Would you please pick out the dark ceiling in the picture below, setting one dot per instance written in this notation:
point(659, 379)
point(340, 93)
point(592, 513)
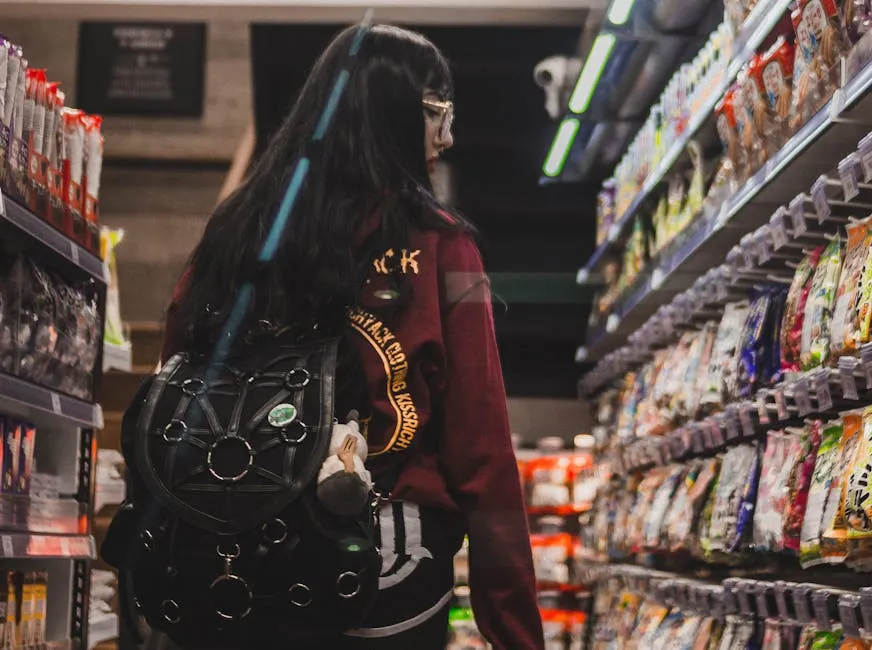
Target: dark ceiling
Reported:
point(536, 237)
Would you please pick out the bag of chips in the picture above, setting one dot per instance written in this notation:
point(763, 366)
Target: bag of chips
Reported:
point(782, 450)
point(825, 467)
point(819, 308)
point(834, 535)
point(722, 366)
point(845, 326)
point(799, 483)
point(794, 311)
point(738, 471)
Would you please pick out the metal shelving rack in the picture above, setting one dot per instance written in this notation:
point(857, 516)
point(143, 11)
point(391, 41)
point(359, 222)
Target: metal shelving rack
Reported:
point(815, 149)
point(54, 535)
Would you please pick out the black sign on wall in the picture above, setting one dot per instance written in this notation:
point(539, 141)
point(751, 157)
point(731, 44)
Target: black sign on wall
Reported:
point(148, 69)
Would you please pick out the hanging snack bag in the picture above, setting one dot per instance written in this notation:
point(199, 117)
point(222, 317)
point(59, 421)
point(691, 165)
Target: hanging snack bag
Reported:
point(654, 528)
point(825, 467)
point(834, 536)
point(794, 311)
point(799, 483)
point(745, 515)
point(722, 365)
point(771, 373)
point(819, 308)
point(750, 361)
point(74, 172)
point(93, 168)
point(845, 331)
point(639, 515)
point(708, 337)
point(685, 516)
point(17, 156)
point(780, 456)
point(828, 43)
point(858, 501)
point(739, 464)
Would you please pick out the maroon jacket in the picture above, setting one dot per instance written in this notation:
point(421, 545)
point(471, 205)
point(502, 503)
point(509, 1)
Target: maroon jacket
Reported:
point(433, 371)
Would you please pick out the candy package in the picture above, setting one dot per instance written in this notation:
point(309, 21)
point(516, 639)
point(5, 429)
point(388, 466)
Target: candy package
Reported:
point(825, 468)
point(834, 535)
point(782, 449)
point(794, 311)
point(846, 330)
point(799, 483)
point(819, 308)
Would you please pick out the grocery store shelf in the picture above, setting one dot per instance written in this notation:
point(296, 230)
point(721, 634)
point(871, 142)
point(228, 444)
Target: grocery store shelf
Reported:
point(44, 516)
point(44, 233)
point(19, 546)
point(21, 392)
point(815, 149)
point(756, 28)
point(560, 511)
point(117, 357)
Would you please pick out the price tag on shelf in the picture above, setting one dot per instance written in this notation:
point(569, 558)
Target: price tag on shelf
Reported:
point(866, 361)
point(846, 377)
point(731, 420)
point(733, 263)
point(614, 233)
point(820, 604)
point(747, 246)
point(74, 253)
point(802, 396)
point(762, 410)
point(819, 197)
point(865, 151)
point(780, 403)
point(822, 390)
point(718, 433)
point(797, 216)
point(8, 547)
point(848, 174)
point(764, 254)
point(778, 229)
point(848, 604)
point(55, 403)
point(721, 288)
point(65, 547)
point(837, 104)
point(746, 419)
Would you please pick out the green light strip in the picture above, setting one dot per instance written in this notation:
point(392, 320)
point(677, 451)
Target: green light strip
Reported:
point(561, 146)
point(619, 11)
point(590, 74)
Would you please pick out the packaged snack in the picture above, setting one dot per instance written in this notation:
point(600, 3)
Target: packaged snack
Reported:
point(848, 643)
point(799, 483)
point(770, 353)
point(750, 360)
point(662, 498)
point(705, 545)
point(856, 18)
point(689, 501)
point(834, 536)
point(25, 461)
point(93, 166)
point(826, 639)
point(730, 136)
point(827, 41)
point(551, 555)
point(554, 628)
point(74, 171)
point(748, 106)
point(738, 471)
point(774, 74)
point(819, 306)
point(745, 518)
point(550, 480)
point(858, 505)
point(722, 366)
point(11, 431)
point(782, 450)
point(794, 311)
point(605, 210)
point(845, 331)
point(639, 514)
point(808, 87)
point(708, 337)
point(651, 616)
point(825, 468)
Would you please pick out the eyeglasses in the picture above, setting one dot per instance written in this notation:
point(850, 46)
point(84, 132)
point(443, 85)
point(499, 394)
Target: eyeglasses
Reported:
point(444, 111)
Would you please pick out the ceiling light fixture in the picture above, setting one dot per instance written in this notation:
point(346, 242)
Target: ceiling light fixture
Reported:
point(561, 146)
point(619, 11)
point(590, 74)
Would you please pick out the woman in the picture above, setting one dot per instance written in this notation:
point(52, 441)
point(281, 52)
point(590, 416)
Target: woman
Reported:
point(370, 253)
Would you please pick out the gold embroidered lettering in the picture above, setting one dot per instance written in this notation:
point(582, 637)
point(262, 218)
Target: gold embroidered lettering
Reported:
point(409, 261)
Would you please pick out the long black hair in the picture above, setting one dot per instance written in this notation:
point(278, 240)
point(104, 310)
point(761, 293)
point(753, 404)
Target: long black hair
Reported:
point(371, 161)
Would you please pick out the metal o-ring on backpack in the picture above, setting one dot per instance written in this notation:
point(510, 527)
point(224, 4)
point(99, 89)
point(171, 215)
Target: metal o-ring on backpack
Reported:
point(234, 547)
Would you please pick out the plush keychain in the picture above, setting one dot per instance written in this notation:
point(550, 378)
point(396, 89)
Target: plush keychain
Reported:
point(344, 483)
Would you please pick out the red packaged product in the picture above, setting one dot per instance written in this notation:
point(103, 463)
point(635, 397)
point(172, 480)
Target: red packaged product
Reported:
point(37, 166)
point(823, 21)
point(55, 138)
point(551, 556)
point(799, 484)
point(74, 172)
point(93, 166)
point(728, 131)
point(774, 75)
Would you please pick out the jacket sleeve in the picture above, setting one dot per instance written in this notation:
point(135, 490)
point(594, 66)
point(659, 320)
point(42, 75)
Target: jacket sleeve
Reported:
point(478, 460)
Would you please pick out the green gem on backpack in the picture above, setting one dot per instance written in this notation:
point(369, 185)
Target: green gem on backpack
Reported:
point(282, 415)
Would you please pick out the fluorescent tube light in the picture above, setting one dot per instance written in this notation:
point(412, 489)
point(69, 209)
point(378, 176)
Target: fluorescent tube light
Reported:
point(620, 11)
point(560, 147)
point(591, 72)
